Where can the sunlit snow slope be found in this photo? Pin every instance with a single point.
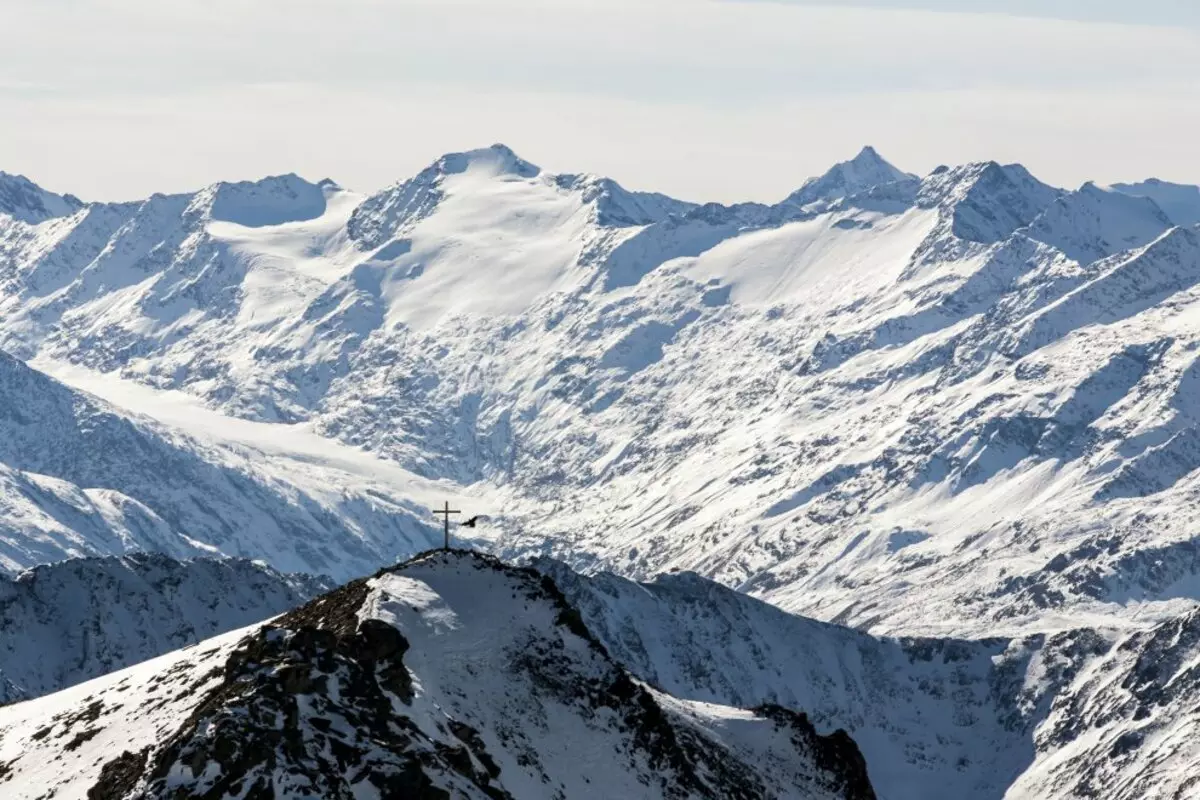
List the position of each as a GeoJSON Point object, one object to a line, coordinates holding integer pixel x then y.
{"type": "Point", "coordinates": [959, 404]}
{"type": "Point", "coordinates": [450, 676]}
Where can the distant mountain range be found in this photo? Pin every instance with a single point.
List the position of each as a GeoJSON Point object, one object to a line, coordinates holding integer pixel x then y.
{"type": "Point", "coordinates": [957, 404]}
{"type": "Point", "coordinates": [65, 623]}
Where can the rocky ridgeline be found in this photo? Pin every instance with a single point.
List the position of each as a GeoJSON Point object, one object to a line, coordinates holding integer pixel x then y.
{"type": "Point", "coordinates": [406, 685]}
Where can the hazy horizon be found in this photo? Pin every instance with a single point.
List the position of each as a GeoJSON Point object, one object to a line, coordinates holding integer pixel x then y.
{"type": "Point", "coordinates": [723, 101]}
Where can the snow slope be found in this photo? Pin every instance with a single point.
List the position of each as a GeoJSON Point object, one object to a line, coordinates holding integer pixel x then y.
{"type": "Point", "coordinates": [1180, 201]}
{"type": "Point", "coordinates": [1081, 713]}
{"type": "Point", "coordinates": [82, 478]}
{"type": "Point", "coordinates": [957, 405]}
{"type": "Point", "coordinates": [451, 675]}
{"type": "Point", "coordinates": [68, 622]}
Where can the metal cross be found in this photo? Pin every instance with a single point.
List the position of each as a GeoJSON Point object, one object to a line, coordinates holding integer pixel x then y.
{"type": "Point", "coordinates": [446, 512]}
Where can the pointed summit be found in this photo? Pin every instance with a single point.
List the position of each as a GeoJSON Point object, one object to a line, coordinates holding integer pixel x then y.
{"type": "Point", "coordinates": [865, 171]}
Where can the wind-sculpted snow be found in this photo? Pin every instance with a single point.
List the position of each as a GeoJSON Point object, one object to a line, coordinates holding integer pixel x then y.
{"type": "Point", "coordinates": [452, 675]}
{"type": "Point", "coordinates": [67, 622]}
{"type": "Point", "coordinates": [899, 406]}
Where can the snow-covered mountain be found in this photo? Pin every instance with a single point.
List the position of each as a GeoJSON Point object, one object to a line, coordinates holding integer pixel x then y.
{"type": "Point", "coordinates": [954, 405]}
{"type": "Point", "coordinates": [1085, 712]}
{"type": "Point", "coordinates": [455, 672]}
{"type": "Point", "coordinates": [67, 622]}
{"type": "Point", "coordinates": [1180, 201]}
{"type": "Point", "coordinates": [81, 478]}
{"type": "Point", "coordinates": [450, 676]}
{"type": "Point", "coordinates": [862, 173]}
{"type": "Point", "coordinates": [22, 199]}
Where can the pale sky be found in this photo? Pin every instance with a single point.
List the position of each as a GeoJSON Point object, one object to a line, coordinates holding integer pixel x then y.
{"type": "Point", "coordinates": [704, 99]}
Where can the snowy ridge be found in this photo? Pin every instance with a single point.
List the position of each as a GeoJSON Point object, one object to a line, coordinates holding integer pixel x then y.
{"type": "Point", "coordinates": [865, 171]}
{"type": "Point", "coordinates": [451, 675]}
{"type": "Point", "coordinates": [1092, 223]}
{"type": "Point", "coordinates": [23, 200]}
{"type": "Point", "coordinates": [1078, 713]}
{"type": "Point", "coordinates": [967, 392]}
{"type": "Point", "coordinates": [1180, 201]}
{"type": "Point", "coordinates": [82, 478]}
{"type": "Point", "coordinates": [65, 623]}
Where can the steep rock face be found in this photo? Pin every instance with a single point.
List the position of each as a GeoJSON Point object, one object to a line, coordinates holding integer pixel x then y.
{"type": "Point", "coordinates": [1082, 712]}
{"type": "Point", "coordinates": [75, 620]}
{"type": "Point", "coordinates": [450, 676]}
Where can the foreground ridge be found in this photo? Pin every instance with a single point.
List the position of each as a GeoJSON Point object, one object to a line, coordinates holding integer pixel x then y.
{"type": "Point", "coordinates": [450, 675]}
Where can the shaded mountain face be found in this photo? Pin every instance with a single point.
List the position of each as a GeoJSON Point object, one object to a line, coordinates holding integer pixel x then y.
{"type": "Point", "coordinates": [22, 199]}
{"type": "Point", "coordinates": [862, 173]}
{"type": "Point", "coordinates": [1181, 202]}
{"type": "Point", "coordinates": [1084, 712]}
{"type": "Point", "coordinates": [450, 676]}
{"type": "Point", "coordinates": [954, 405]}
{"type": "Point", "coordinates": [75, 620]}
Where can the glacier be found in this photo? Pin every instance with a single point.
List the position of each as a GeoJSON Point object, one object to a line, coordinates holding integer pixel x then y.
{"type": "Point", "coordinates": [948, 405]}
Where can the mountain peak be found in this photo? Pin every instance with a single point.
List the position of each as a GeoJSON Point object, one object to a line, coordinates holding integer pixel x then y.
{"type": "Point", "coordinates": [454, 674]}
{"type": "Point", "coordinates": [498, 159]}
{"type": "Point", "coordinates": [986, 201]}
{"type": "Point", "coordinates": [865, 171]}
{"type": "Point", "coordinates": [617, 206]}
{"type": "Point", "coordinates": [23, 199]}
{"type": "Point", "coordinates": [869, 155]}
{"type": "Point", "coordinates": [272, 200]}
{"type": "Point", "coordinates": [1181, 202]}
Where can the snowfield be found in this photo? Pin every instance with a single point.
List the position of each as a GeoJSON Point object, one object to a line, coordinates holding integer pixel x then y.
{"type": "Point", "coordinates": [956, 413]}
{"type": "Point", "coordinates": [961, 398]}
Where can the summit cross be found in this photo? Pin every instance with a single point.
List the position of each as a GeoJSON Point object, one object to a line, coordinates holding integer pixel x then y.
{"type": "Point", "coordinates": [446, 512]}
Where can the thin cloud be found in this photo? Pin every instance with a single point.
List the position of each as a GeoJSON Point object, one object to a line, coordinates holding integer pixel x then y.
{"type": "Point", "coordinates": [708, 100]}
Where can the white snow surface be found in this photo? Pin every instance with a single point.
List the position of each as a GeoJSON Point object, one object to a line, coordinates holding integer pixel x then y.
{"type": "Point", "coordinates": [954, 405]}
{"type": "Point", "coordinates": [494, 674]}
{"type": "Point", "coordinates": [64, 623]}
{"type": "Point", "coordinates": [1091, 712]}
